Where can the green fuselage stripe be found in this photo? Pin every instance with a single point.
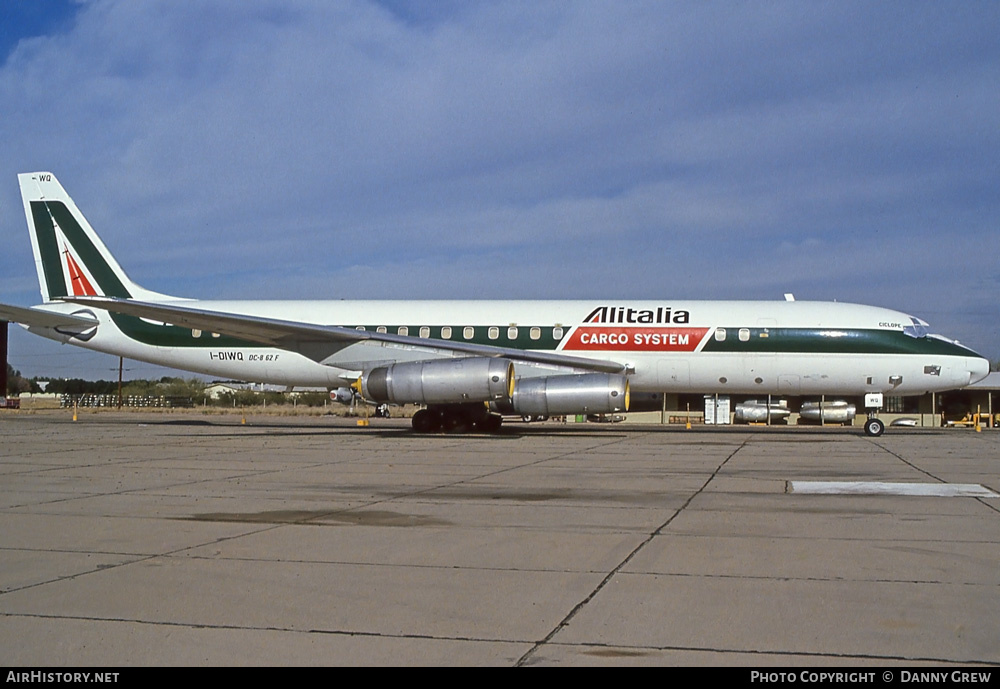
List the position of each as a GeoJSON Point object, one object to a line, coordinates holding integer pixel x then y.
{"type": "Point", "coordinates": [545, 341]}
{"type": "Point", "coordinates": [773, 341]}
{"type": "Point", "coordinates": [831, 341]}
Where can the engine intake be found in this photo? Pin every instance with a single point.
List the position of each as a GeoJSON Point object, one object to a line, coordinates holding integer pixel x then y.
{"type": "Point", "coordinates": [589, 393]}
{"type": "Point", "coordinates": [442, 381]}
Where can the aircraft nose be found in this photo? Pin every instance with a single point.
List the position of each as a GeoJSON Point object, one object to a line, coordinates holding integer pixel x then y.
{"type": "Point", "coordinates": [978, 369]}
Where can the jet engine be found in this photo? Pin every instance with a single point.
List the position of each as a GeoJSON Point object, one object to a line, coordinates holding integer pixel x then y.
{"type": "Point", "coordinates": [441, 381]}
{"type": "Point", "coordinates": [588, 393]}
{"type": "Point", "coordinates": [342, 395]}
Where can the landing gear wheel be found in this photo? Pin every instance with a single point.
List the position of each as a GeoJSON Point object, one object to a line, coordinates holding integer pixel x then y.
{"type": "Point", "coordinates": [425, 421]}
{"type": "Point", "coordinates": [455, 422]}
{"type": "Point", "coordinates": [489, 423]}
{"type": "Point", "coordinates": [874, 427]}
{"type": "Point", "coordinates": [456, 418]}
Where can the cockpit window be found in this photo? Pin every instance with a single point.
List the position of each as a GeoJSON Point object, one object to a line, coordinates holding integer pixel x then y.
{"type": "Point", "coordinates": [917, 330]}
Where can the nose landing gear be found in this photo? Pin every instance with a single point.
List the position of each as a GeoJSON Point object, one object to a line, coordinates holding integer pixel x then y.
{"type": "Point", "coordinates": [874, 426]}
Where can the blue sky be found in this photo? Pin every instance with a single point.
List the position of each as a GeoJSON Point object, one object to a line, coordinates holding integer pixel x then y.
{"type": "Point", "coordinates": [656, 150]}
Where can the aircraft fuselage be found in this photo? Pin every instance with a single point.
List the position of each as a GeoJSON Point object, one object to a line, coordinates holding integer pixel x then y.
{"type": "Point", "coordinates": [789, 348]}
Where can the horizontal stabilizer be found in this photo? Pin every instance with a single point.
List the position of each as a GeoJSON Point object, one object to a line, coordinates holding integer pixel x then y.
{"type": "Point", "coordinates": [43, 318]}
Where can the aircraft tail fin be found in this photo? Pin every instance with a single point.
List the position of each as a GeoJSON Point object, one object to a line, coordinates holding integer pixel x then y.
{"type": "Point", "coordinates": [70, 258]}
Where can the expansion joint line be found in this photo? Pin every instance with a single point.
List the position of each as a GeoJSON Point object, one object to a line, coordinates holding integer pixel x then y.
{"type": "Point", "coordinates": [982, 501]}
{"type": "Point", "coordinates": [905, 461]}
{"type": "Point", "coordinates": [628, 558]}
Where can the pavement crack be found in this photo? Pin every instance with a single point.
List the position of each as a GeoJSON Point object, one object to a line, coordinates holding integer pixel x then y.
{"type": "Point", "coordinates": [628, 558]}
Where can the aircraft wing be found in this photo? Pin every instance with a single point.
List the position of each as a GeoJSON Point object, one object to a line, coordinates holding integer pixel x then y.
{"type": "Point", "coordinates": [320, 341]}
{"type": "Point", "coordinates": [43, 318]}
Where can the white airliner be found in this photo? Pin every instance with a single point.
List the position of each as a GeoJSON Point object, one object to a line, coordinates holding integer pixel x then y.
{"type": "Point", "coordinates": [470, 362]}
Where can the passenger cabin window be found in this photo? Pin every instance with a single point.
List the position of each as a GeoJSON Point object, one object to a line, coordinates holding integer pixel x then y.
{"type": "Point", "coordinates": [744, 334]}
{"type": "Point", "coordinates": [493, 333]}
{"type": "Point", "coordinates": [468, 332]}
{"type": "Point", "coordinates": [195, 333]}
{"type": "Point", "coordinates": [535, 333]}
{"type": "Point", "coordinates": [425, 331]}
{"type": "Point", "coordinates": [380, 329]}
{"type": "Point", "coordinates": [512, 332]}
{"type": "Point", "coordinates": [557, 333]}
{"type": "Point", "coordinates": [360, 327]}
{"type": "Point", "coordinates": [403, 330]}
{"type": "Point", "coordinates": [720, 334]}
{"type": "Point", "coordinates": [446, 332]}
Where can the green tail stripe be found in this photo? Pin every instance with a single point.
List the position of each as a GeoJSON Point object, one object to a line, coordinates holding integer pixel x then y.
{"type": "Point", "coordinates": [48, 248]}
{"type": "Point", "coordinates": [107, 280]}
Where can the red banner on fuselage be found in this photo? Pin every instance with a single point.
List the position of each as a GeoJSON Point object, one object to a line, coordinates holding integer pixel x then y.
{"type": "Point", "coordinates": [635, 338]}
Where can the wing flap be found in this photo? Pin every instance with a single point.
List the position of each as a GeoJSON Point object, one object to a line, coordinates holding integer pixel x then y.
{"type": "Point", "coordinates": [320, 341]}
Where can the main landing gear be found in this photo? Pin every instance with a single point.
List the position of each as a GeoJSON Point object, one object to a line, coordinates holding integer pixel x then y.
{"type": "Point", "coordinates": [456, 418]}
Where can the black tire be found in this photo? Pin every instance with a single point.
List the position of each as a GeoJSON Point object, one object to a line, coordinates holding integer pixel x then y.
{"type": "Point", "coordinates": [424, 422]}
{"type": "Point", "coordinates": [455, 423]}
{"type": "Point", "coordinates": [874, 427]}
{"type": "Point", "coordinates": [489, 423]}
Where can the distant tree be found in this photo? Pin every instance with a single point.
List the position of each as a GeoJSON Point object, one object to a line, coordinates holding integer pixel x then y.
{"type": "Point", "coordinates": [239, 398]}
{"type": "Point", "coordinates": [313, 399]}
{"type": "Point", "coordinates": [16, 384]}
{"type": "Point", "coordinates": [139, 388]}
{"type": "Point", "coordinates": [178, 388]}
{"type": "Point", "coordinates": [78, 386]}
{"type": "Point", "coordinates": [271, 398]}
